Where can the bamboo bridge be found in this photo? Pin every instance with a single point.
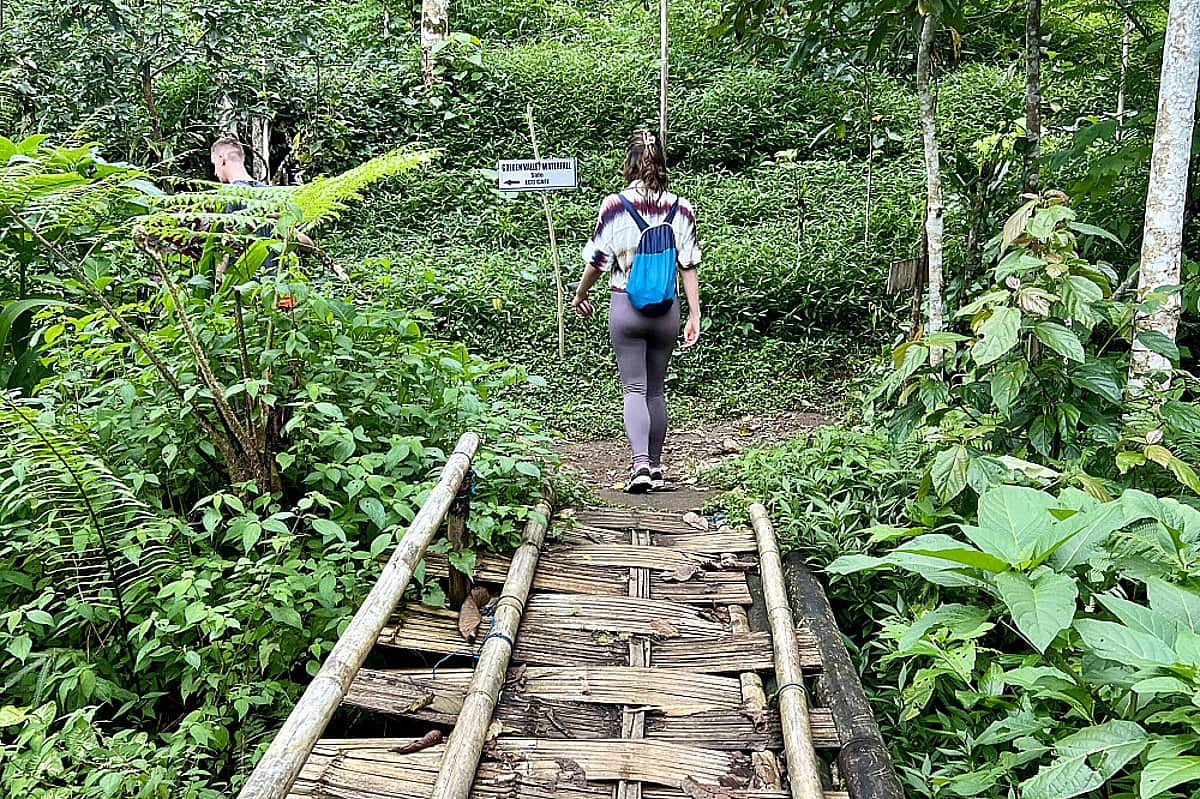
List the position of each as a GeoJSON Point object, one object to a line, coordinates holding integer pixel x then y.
{"type": "Point", "coordinates": [618, 654]}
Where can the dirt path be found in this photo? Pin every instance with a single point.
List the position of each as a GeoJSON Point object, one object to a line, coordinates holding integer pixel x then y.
{"type": "Point", "coordinates": [605, 462]}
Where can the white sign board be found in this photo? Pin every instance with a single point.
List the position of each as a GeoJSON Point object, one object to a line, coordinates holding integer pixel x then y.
{"type": "Point", "coordinates": [547, 174]}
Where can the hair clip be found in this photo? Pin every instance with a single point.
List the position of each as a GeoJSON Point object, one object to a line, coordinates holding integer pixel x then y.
{"type": "Point", "coordinates": [647, 138]}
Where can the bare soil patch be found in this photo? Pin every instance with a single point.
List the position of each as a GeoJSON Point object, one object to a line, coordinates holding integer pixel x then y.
{"type": "Point", "coordinates": [604, 462]}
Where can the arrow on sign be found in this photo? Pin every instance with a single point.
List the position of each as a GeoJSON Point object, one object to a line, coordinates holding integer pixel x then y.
{"type": "Point", "coordinates": [511, 182]}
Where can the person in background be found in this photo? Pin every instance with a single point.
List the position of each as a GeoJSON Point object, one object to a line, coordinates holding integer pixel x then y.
{"type": "Point", "coordinates": [643, 339]}
{"type": "Point", "coordinates": [229, 165]}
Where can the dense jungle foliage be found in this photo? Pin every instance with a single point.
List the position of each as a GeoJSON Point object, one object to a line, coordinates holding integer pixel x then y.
{"type": "Point", "coordinates": [197, 480]}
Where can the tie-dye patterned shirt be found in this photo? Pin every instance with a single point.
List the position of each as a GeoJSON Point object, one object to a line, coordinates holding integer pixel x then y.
{"type": "Point", "coordinates": [611, 247]}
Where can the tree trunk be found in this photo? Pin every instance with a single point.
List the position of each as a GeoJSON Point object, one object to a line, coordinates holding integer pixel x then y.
{"type": "Point", "coordinates": [1162, 236]}
{"type": "Point", "coordinates": [933, 182]}
{"type": "Point", "coordinates": [260, 146]}
{"type": "Point", "coordinates": [1033, 92]}
{"type": "Point", "coordinates": [435, 26]}
{"type": "Point", "coordinates": [1121, 85]}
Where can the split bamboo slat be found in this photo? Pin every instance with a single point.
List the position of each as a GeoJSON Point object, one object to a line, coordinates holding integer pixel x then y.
{"type": "Point", "coordinates": [562, 573]}
{"type": "Point", "coordinates": [653, 521]}
{"type": "Point", "coordinates": [373, 768]}
{"type": "Point", "coordinates": [804, 776]}
{"type": "Point", "coordinates": [414, 694]}
{"type": "Point", "coordinates": [633, 720]}
{"type": "Point", "coordinates": [611, 760]}
{"type": "Point", "coordinates": [284, 758]}
{"type": "Point", "coordinates": [466, 740]}
{"type": "Point", "coordinates": [754, 702]}
{"type": "Point", "coordinates": [716, 542]}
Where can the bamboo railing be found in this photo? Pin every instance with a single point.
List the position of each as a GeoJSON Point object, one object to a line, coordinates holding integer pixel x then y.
{"type": "Point", "coordinates": [804, 776]}
{"type": "Point", "coordinates": [466, 741]}
{"type": "Point", "coordinates": [279, 767]}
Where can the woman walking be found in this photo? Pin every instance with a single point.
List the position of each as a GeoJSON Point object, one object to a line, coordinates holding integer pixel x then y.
{"type": "Point", "coordinates": [643, 229]}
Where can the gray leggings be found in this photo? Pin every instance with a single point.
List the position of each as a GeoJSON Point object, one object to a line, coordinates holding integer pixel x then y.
{"type": "Point", "coordinates": [643, 347]}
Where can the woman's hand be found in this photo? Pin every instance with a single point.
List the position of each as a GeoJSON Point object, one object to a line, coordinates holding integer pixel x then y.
{"type": "Point", "coordinates": [581, 305]}
{"type": "Point", "coordinates": [691, 331]}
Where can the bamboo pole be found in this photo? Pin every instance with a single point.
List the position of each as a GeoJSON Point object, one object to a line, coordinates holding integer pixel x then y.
{"type": "Point", "coordinates": [754, 701]}
{"type": "Point", "coordinates": [461, 758]}
{"type": "Point", "coordinates": [804, 777]}
{"type": "Point", "coordinates": [279, 767]}
{"type": "Point", "coordinates": [558, 281]}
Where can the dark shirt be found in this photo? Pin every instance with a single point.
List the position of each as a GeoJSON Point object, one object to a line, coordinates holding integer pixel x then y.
{"type": "Point", "coordinates": [266, 231]}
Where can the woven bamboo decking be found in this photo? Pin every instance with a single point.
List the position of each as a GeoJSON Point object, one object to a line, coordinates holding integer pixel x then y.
{"type": "Point", "coordinates": [642, 669]}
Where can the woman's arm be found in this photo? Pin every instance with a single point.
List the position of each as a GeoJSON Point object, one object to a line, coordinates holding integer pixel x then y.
{"type": "Point", "coordinates": [580, 301]}
{"type": "Point", "coordinates": [691, 289]}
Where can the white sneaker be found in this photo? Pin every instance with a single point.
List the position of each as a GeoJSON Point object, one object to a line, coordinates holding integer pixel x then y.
{"type": "Point", "coordinates": [657, 481]}
{"type": "Point", "coordinates": [639, 481]}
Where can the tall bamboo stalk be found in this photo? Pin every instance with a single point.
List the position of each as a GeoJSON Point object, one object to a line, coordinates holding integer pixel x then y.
{"type": "Point", "coordinates": [279, 767]}
{"type": "Point", "coordinates": [804, 777]}
{"type": "Point", "coordinates": [558, 281]}
{"type": "Point", "coordinates": [461, 758]}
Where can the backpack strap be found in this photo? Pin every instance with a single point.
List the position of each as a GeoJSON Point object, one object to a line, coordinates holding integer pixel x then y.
{"type": "Point", "coordinates": [671, 214]}
{"type": "Point", "coordinates": [637, 218]}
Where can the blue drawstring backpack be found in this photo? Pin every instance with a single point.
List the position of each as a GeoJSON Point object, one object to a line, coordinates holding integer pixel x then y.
{"type": "Point", "coordinates": [651, 285]}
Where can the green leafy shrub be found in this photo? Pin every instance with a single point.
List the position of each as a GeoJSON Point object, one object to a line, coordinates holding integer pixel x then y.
{"type": "Point", "coordinates": [1043, 374]}
{"type": "Point", "coordinates": [1064, 645]}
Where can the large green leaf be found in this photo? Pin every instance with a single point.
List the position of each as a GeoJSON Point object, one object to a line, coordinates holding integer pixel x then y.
{"type": "Point", "coordinates": [1042, 607]}
{"type": "Point", "coordinates": [1100, 378]}
{"type": "Point", "coordinates": [1044, 221]}
{"type": "Point", "coordinates": [1159, 344]}
{"type": "Point", "coordinates": [1113, 743]}
{"type": "Point", "coordinates": [1163, 626]}
{"type": "Point", "coordinates": [1121, 644]}
{"type": "Point", "coordinates": [937, 545]}
{"type": "Point", "coordinates": [1006, 384]}
{"type": "Point", "coordinates": [1174, 602]}
{"type": "Point", "coordinates": [1060, 339]}
{"type": "Point", "coordinates": [998, 334]}
{"type": "Point", "coordinates": [949, 472]}
{"type": "Point", "coordinates": [1012, 522]}
{"type": "Point", "coordinates": [13, 310]}
{"type": "Point", "coordinates": [1083, 533]}
{"type": "Point", "coordinates": [1183, 416]}
{"type": "Point", "coordinates": [1163, 775]}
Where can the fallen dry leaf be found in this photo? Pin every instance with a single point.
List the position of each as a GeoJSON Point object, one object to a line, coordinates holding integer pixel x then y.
{"type": "Point", "coordinates": [469, 618]}
{"type": "Point", "coordinates": [431, 738]}
{"type": "Point", "coordinates": [683, 573]}
{"type": "Point", "coordinates": [516, 679]}
{"type": "Point", "coordinates": [758, 718]}
{"type": "Point", "coordinates": [693, 519]}
{"type": "Point", "coordinates": [718, 614]}
{"type": "Point", "coordinates": [482, 596]}
{"type": "Point", "coordinates": [730, 562]}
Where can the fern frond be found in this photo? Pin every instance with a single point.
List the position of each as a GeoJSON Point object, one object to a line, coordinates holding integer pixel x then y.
{"type": "Point", "coordinates": [324, 198]}
{"type": "Point", "coordinates": [95, 540]}
{"type": "Point", "coordinates": [60, 192]}
{"type": "Point", "coordinates": [239, 213]}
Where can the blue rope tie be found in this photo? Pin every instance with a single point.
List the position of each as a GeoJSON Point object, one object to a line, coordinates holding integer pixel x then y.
{"type": "Point", "coordinates": [468, 650]}
{"type": "Point", "coordinates": [502, 637]}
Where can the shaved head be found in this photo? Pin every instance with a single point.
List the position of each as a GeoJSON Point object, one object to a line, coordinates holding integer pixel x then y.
{"type": "Point", "coordinates": [230, 148]}
{"type": "Point", "coordinates": [228, 159]}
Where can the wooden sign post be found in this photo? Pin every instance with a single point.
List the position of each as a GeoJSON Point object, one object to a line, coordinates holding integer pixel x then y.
{"type": "Point", "coordinates": [551, 174]}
